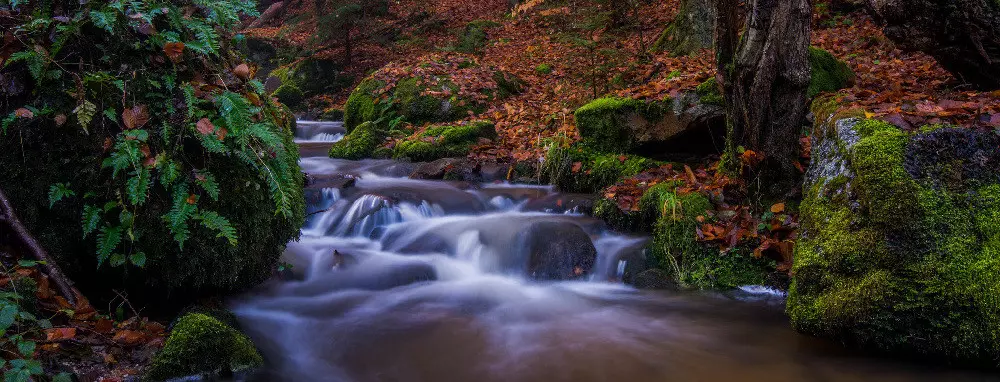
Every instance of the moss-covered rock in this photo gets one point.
(709, 94)
(582, 169)
(314, 76)
(290, 95)
(202, 345)
(900, 245)
(828, 73)
(361, 142)
(332, 114)
(508, 84)
(438, 142)
(474, 37)
(618, 125)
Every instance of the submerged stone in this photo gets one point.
(900, 244)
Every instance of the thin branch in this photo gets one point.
(48, 266)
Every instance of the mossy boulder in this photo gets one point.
(624, 125)
(442, 90)
(314, 76)
(43, 154)
(474, 37)
(709, 94)
(438, 142)
(290, 95)
(262, 52)
(361, 142)
(580, 168)
(900, 243)
(828, 73)
(202, 345)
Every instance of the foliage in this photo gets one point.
(438, 142)
(166, 110)
(200, 344)
(345, 17)
(580, 168)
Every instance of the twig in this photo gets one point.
(49, 267)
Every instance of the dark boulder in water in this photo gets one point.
(557, 250)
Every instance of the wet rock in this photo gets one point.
(449, 168)
(656, 279)
(900, 240)
(444, 141)
(557, 250)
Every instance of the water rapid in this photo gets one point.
(396, 279)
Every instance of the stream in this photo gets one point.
(395, 279)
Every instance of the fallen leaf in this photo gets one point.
(60, 334)
(60, 119)
(136, 117)
(174, 50)
(577, 166)
(205, 126)
(23, 113)
(242, 71)
(130, 337)
(104, 326)
(778, 208)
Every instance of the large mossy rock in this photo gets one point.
(361, 142)
(828, 73)
(672, 219)
(202, 345)
(314, 76)
(580, 168)
(623, 125)
(900, 243)
(438, 142)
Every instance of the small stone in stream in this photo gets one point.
(448, 169)
(655, 279)
(558, 250)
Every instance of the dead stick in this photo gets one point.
(49, 267)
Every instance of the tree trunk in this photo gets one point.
(764, 76)
(690, 31)
(963, 35)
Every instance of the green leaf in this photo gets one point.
(213, 221)
(138, 259)
(107, 240)
(27, 348)
(207, 182)
(117, 260)
(27, 263)
(85, 112)
(91, 219)
(59, 191)
(7, 315)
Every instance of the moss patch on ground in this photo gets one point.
(580, 168)
(892, 258)
(200, 345)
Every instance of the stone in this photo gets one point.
(558, 250)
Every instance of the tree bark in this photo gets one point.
(273, 12)
(691, 30)
(764, 76)
(48, 265)
(962, 35)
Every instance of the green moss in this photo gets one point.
(416, 107)
(543, 69)
(895, 264)
(290, 95)
(595, 171)
(360, 143)
(676, 250)
(474, 37)
(708, 93)
(314, 76)
(828, 73)
(604, 123)
(508, 84)
(200, 345)
(438, 142)
(360, 106)
(332, 114)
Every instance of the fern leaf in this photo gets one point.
(207, 182)
(107, 240)
(59, 191)
(91, 219)
(215, 222)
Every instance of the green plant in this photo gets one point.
(20, 327)
(543, 69)
(137, 86)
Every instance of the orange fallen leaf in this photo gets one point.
(130, 337)
(778, 208)
(205, 126)
(60, 334)
(174, 50)
(104, 326)
(23, 113)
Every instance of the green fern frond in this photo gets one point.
(59, 191)
(107, 240)
(91, 219)
(215, 222)
(207, 182)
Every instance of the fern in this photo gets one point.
(207, 182)
(34, 60)
(59, 191)
(215, 222)
(91, 219)
(137, 186)
(180, 212)
(235, 110)
(107, 240)
(104, 19)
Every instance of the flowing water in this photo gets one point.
(396, 279)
